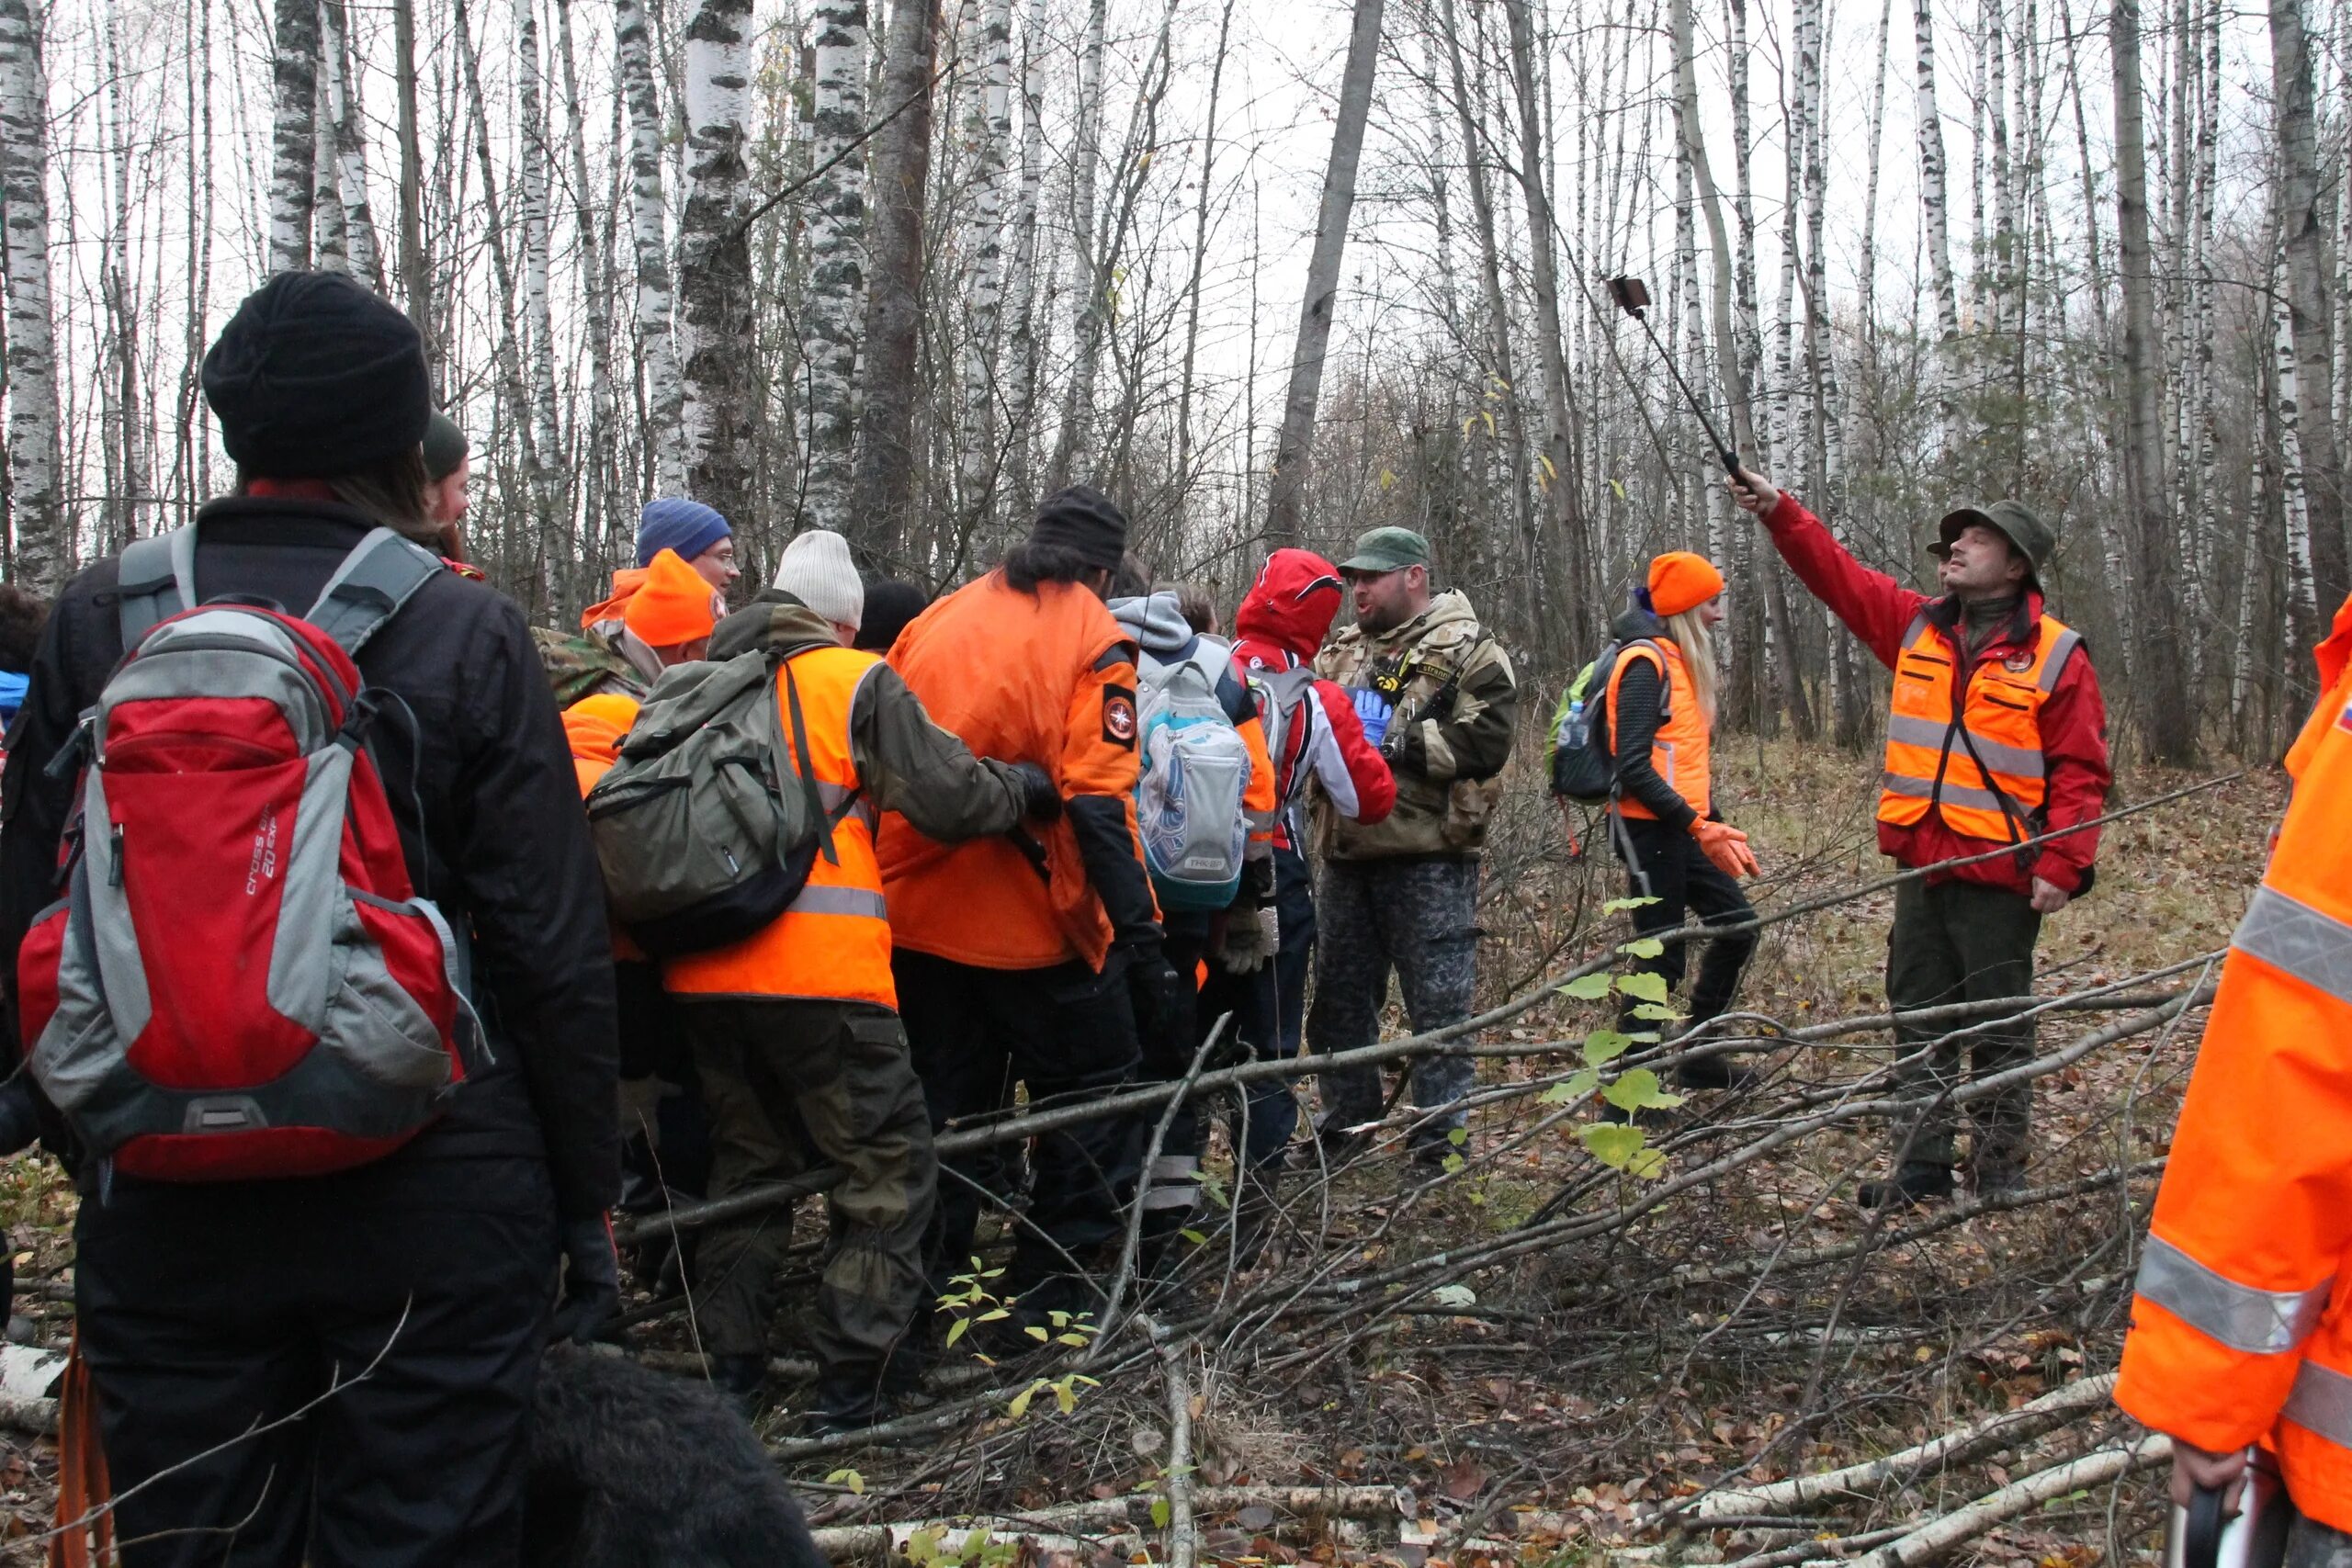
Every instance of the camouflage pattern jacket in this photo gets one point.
(1437, 696)
(582, 664)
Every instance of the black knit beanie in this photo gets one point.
(315, 377)
(1083, 519)
(446, 446)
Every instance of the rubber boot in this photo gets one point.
(1912, 1184)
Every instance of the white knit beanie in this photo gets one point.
(816, 571)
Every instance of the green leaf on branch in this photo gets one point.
(1655, 1012)
(1647, 1164)
(1160, 1513)
(1603, 1046)
(1644, 987)
(1586, 988)
(849, 1478)
(1643, 947)
(1619, 906)
(1613, 1144)
(1639, 1090)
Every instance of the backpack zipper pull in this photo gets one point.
(114, 871)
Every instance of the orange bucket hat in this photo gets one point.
(673, 604)
(1680, 580)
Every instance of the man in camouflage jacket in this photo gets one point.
(1436, 695)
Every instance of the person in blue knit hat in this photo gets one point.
(699, 535)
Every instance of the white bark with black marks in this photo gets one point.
(665, 392)
(294, 140)
(40, 554)
(836, 241)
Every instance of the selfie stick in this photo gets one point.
(1633, 296)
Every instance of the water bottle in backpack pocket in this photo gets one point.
(1193, 769)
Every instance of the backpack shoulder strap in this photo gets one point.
(379, 575)
(156, 579)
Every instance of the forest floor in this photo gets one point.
(1543, 1359)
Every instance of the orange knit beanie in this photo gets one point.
(672, 606)
(1681, 581)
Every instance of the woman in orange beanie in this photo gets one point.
(673, 611)
(1677, 849)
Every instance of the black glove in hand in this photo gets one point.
(1041, 799)
(1157, 992)
(592, 1280)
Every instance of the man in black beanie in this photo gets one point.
(1037, 959)
(408, 1299)
(448, 471)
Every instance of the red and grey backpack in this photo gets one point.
(239, 981)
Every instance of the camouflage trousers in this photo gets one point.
(1416, 918)
(792, 1085)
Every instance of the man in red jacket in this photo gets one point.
(1997, 734)
(1314, 736)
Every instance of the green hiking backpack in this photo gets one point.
(705, 827)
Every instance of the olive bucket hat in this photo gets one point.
(2014, 520)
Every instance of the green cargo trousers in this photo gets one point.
(1961, 942)
(792, 1085)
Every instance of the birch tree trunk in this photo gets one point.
(1184, 386)
(1073, 443)
(294, 73)
(539, 321)
(365, 249)
(416, 271)
(665, 393)
(601, 519)
(1020, 342)
(990, 137)
(1490, 275)
(2304, 236)
(1933, 212)
(1286, 496)
(40, 552)
(329, 246)
(836, 296)
(1558, 476)
(2168, 725)
(882, 499)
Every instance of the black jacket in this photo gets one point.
(487, 806)
(1632, 720)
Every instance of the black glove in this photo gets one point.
(1159, 995)
(1041, 799)
(592, 1280)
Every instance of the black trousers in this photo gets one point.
(1062, 1032)
(1962, 941)
(210, 1315)
(1666, 863)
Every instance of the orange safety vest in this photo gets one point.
(1683, 752)
(833, 941)
(1975, 759)
(2242, 1326)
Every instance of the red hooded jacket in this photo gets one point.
(2074, 722)
(1282, 622)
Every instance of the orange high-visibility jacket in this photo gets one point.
(1046, 677)
(1682, 750)
(833, 941)
(1975, 758)
(2242, 1328)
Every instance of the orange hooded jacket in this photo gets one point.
(2242, 1326)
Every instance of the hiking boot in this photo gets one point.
(844, 1404)
(1339, 1147)
(1715, 1073)
(741, 1378)
(1913, 1183)
(1994, 1176)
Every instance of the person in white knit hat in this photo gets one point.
(816, 571)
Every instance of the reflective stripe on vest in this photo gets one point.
(2297, 940)
(833, 941)
(1974, 757)
(2321, 1402)
(1680, 752)
(2262, 1323)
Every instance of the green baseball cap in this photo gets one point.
(2013, 519)
(1387, 549)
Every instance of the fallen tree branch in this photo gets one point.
(1928, 1542)
(2006, 1430)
